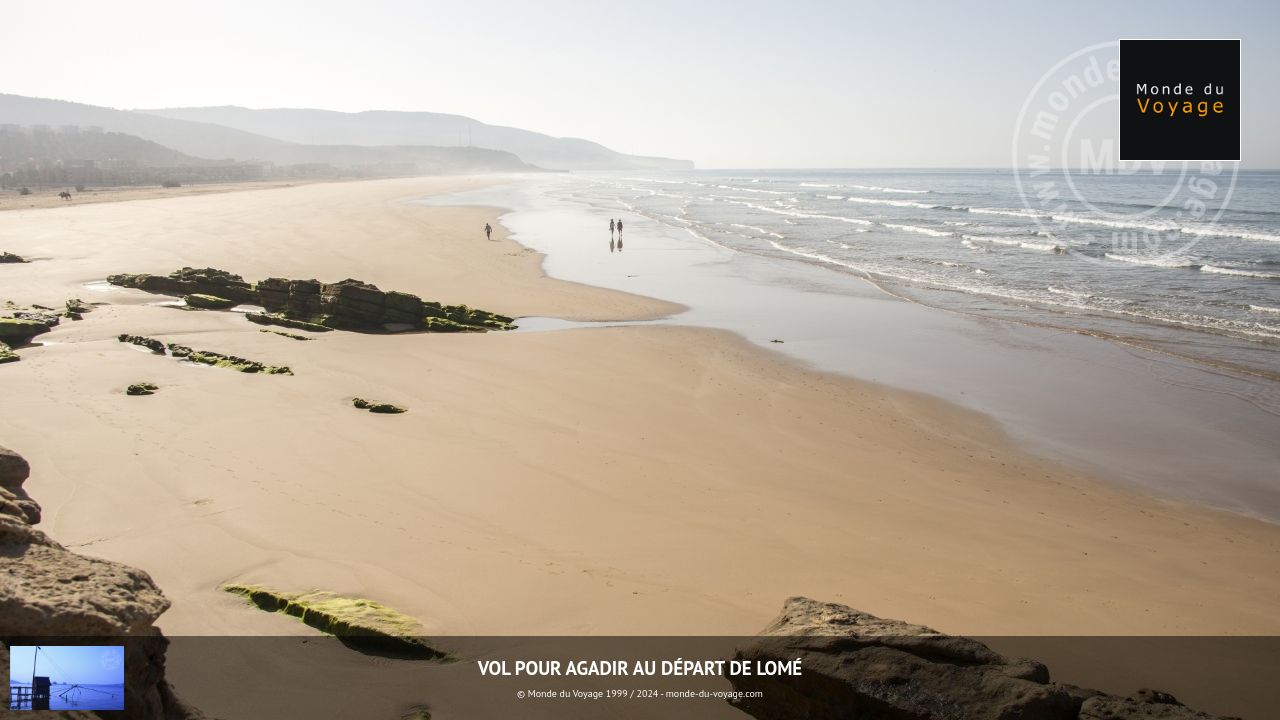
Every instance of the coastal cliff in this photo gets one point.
(50, 594)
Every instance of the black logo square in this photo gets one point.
(1179, 99)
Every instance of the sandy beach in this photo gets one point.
(41, 198)
(631, 480)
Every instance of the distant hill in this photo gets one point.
(216, 142)
(382, 127)
(197, 139)
(18, 146)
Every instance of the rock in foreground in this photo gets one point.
(860, 666)
(360, 623)
(50, 592)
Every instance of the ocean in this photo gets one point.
(1155, 365)
(1116, 257)
(64, 696)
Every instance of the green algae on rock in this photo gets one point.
(151, 344)
(188, 281)
(270, 319)
(8, 257)
(142, 388)
(76, 308)
(18, 331)
(359, 623)
(310, 304)
(468, 318)
(208, 302)
(377, 407)
(232, 362)
(281, 333)
(7, 355)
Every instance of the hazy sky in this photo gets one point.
(724, 83)
(84, 665)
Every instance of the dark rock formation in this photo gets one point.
(311, 304)
(142, 388)
(860, 666)
(208, 302)
(151, 344)
(8, 257)
(355, 305)
(377, 407)
(50, 592)
(7, 355)
(17, 331)
(189, 281)
(206, 357)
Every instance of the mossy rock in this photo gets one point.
(377, 407)
(151, 344)
(231, 362)
(8, 257)
(360, 623)
(7, 355)
(271, 319)
(15, 331)
(142, 388)
(48, 318)
(76, 308)
(445, 325)
(208, 302)
(281, 333)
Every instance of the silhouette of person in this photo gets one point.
(488, 231)
(619, 228)
(610, 228)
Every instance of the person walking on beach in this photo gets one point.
(610, 229)
(619, 228)
(488, 231)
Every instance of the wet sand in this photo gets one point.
(1158, 423)
(632, 480)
